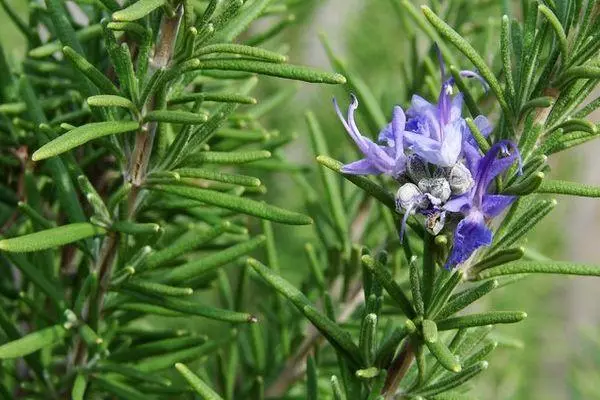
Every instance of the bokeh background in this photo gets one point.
(555, 352)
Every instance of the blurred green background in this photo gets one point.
(553, 354)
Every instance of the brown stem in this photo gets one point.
(398, 369)
(163, 53)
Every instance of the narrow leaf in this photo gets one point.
(176, 117)
(213, 175)
(197, 384)
(51, 238)
(233, 157)
(336, 336)
(193, 308)
(466, 298)
(532, 267)
(33, 342)
(568, 188)
(92, 73)
(461, 44)
(137, 10)
(444, 356)
(385, 279)
(285, 71)
(243, 205)
(202, 266)
(107, 100)
(81, 135)
(453, 381)
(487, 318)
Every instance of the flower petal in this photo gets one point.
(458, 204)
(490, 166)
(493, 204)
(483, 124)
(471, 233)
(361, 167)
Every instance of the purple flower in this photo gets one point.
(478, 205)
(386, 159)
(435, 131)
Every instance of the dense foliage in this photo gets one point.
(140, 258)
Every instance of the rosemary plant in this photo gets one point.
(140, 259)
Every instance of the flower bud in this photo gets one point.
(410, 197)
(436, 187)
(460, 179)
(416, 168)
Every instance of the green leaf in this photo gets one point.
(312, 379)
(81, 135)
(169, 358)
(231, 202)
(222, 97)
(387, 281)
(154, 288)
(532, 267)
(90, 72)
(415, 286)
(176, 117)
(367, 341)
(506, 47)
(51, 238)
(212, 175)
(430, 333)
(33, 342)
(461, 44)
(387, 350)
(33, 273)
(233, 157)
(192, 308)
(79, 386)
(137, 10)
(184, 245)
(107, 100)
(482, 142)
(241, 49)
(524, 186)
(83, 35)
(62, 25)
(131, 373)
(466, 298)
(362, 182)
(287, 71)
(338, 394)
(202, 266)
(526, 221)
(452, 381)
(558, 30)
(251, 10)
(364, 94)
(581, 72)
(486, 318)
(568, 188)
(497, 258)
(333, 194)
(118, 388)
(197, 384)
(132, 228)
(334, 334)
(444, 356)
(441, 296)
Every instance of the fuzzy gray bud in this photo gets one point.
(436, 187)
(416, 168)
(460, 179)
(409, 196)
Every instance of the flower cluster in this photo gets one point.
(431, 152)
